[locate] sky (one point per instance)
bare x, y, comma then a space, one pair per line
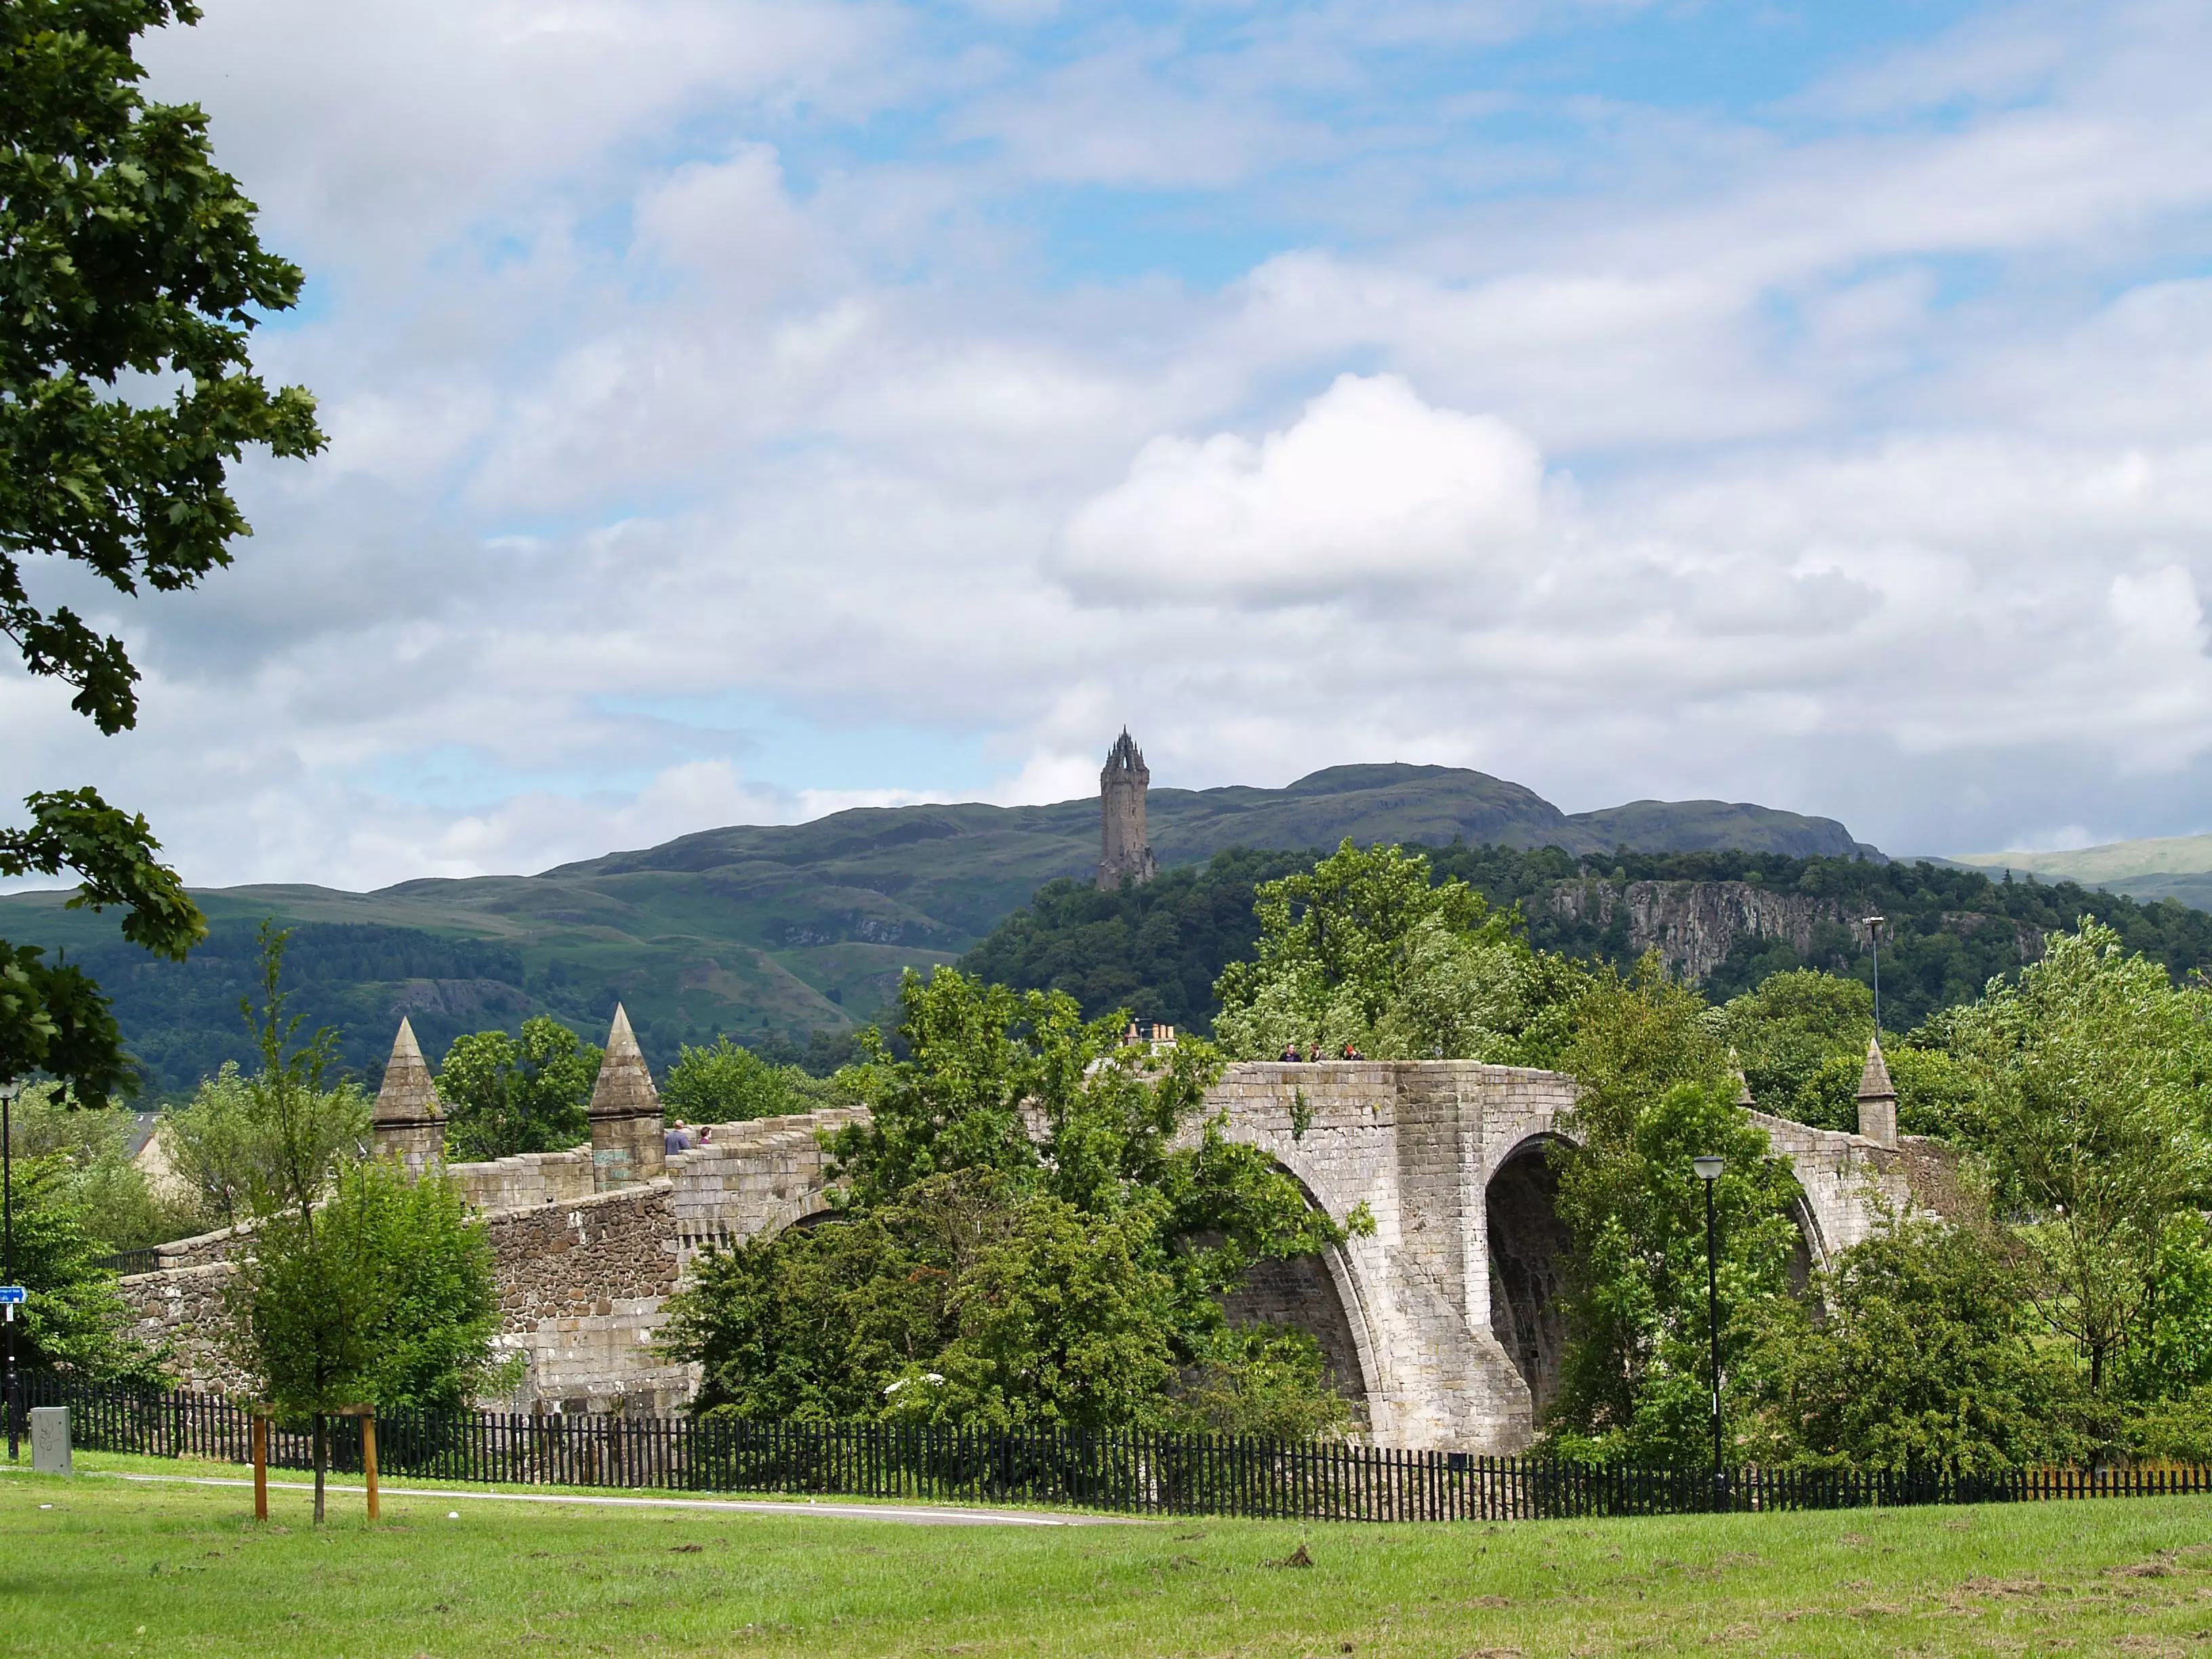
742, 410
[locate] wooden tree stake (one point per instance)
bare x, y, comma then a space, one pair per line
260, 1466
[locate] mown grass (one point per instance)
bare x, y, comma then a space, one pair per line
119, 1568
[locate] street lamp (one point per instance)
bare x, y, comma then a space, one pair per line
1709, 1171
1873, 927
8, 1091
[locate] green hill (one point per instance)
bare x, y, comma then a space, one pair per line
796, 929
2173, 866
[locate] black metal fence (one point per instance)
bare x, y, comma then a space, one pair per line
1135, 1472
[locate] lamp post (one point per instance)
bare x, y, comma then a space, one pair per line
1709, 1171
8, 1093
1873, 927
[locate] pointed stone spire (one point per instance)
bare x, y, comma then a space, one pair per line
1742, 1084
409, 1119
1877, 1098
627, 1146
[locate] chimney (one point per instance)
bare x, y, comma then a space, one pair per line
408, 1122
627, 1146
1877, 1099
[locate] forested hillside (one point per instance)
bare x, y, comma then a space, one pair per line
771, 933
1727, 919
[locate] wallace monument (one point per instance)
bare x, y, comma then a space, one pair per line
1124, 848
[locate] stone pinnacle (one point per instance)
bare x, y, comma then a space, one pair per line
1874, 1082
624, 1088
408, 1095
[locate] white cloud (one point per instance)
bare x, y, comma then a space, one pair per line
1848, 455
1371, 486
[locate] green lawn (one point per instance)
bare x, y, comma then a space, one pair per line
97, 1566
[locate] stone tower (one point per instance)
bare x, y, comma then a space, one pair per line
1877, 1099
1124, 848
627, 1131
408, 1122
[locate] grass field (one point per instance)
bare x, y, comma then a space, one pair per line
97, 1566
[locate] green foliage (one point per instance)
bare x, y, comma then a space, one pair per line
308, 1301
1261, 1381
383, 1294
1364, 949
432, 1344
2095, 1078
127, 250
731, 1084
120, 1208
505, 1095
2172, 1353
1801, 1038
52, 1016
1926, 1353
225, 1150
75, 1320
1635, 1378
978, 1276
1934, 1094
1155, 949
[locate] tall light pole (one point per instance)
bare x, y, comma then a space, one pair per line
8, 1092
1709, 1171
1873, 927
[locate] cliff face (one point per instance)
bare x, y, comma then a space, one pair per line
1694, 925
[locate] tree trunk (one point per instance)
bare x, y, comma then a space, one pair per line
322, 1459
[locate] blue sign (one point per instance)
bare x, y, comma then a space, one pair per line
10, 1293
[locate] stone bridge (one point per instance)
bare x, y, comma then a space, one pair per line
1442, 1325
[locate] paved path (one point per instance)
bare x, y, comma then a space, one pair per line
915, 1516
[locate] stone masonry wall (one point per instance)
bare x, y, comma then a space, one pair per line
1404, 1312
581, 1288
526, 1178
181, 1308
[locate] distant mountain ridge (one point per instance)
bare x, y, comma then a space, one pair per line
2169, 867
753, 929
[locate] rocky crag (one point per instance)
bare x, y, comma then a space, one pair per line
1698, 927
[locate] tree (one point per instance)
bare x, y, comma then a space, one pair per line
75, 1320
2096, 1079
729, 1084
121, 1209
1802, 1040
1657, 1091
221, 1147
305, 1307
1924, 1355
125, 252
503, 1096
431, 1345
1035, 1233
1364, 949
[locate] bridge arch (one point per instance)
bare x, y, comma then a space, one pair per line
1528, 1247
1324, 1296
